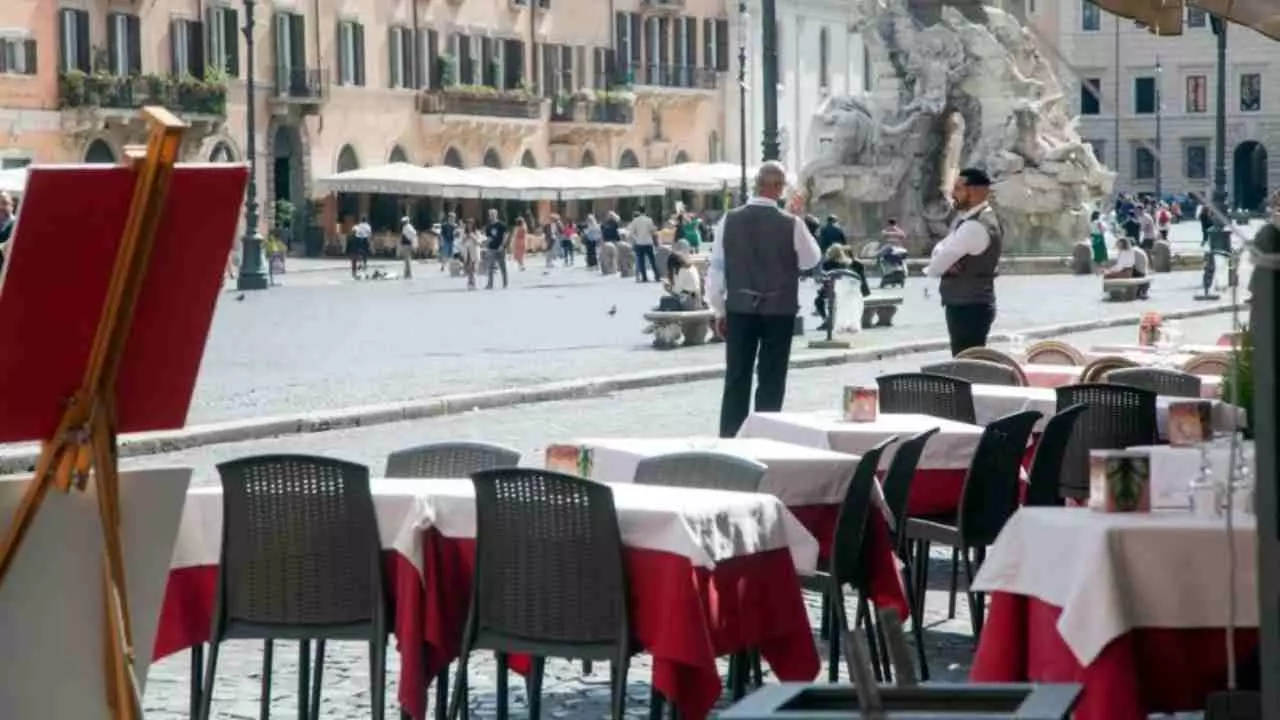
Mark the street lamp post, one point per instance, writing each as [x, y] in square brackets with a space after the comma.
[1220, 124]
[769, 77]
[253, 276]
[1159, 129]
[743, 19]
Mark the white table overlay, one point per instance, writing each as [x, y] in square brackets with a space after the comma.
[951, 448]
[993, 401]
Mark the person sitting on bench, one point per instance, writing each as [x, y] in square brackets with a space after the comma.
[837, 258]
[1131, 263]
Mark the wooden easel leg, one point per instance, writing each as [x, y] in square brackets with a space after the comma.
[121, 684]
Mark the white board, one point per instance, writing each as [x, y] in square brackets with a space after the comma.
[51, 614]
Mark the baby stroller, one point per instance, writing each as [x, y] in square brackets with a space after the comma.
[892, 263]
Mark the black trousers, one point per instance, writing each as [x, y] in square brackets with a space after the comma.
[969, 325]
[759, 344]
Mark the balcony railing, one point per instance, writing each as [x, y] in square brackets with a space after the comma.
[673, 76]
[614, 111]
[118, 92]
[480, 101]
[302, 85]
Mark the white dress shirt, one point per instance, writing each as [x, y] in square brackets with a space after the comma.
[966, 238]
[687, 281]
[807, 256]
[640, 231]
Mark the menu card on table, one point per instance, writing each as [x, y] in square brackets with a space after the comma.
[860, 404]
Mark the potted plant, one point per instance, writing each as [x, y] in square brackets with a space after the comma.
[1237, 385]
[447, 66]
[72, 90]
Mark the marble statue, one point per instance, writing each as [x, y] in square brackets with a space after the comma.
[626, 259]
[963, 85]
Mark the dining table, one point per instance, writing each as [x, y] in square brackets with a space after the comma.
[811, 482]
[994, 401]
[939, 479]
[1134, 606]
[709, 573]
[1052, 376]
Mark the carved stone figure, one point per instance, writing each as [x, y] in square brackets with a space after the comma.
[626, 259]
[608, 258]
[960, 85]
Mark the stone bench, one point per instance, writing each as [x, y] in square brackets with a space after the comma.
[879, 311]
[1125, 289]
[669, 327]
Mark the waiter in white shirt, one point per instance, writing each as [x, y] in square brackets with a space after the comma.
[966, 260]
[753, 285]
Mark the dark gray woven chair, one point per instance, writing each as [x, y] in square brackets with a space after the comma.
[1043, 480]
[1117, 417]
[701, 469]
[927, 394]
[301, 560]
[977, 371]
[1160, 381]
[549, 579]
[449, 460]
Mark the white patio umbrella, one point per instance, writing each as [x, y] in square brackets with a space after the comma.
[531, 184]
[394, 179]
[13, 180]
[704, 177]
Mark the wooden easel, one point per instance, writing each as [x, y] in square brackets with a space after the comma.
[84, 443]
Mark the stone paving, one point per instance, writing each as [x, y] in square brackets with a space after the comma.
[677, 410]
[323, 340]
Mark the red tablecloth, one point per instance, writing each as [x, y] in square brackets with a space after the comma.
[1147, 671]
[683, 616]
[883, 574]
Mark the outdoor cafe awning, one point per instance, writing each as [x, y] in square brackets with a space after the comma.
[517, 183]
[703, 177]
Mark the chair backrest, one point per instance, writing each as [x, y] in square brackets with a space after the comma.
[702, 469]
[300, 542]
[1160, 381]
[1116, 417]
[549, 564]
[992, 355]
[449, 459]
[1044, 480]
[1054, 352]
[897, 480]
[1209, 364]
[1094, 371]
[851, 524]
[992, 485]
[927, 394]
[978, 371]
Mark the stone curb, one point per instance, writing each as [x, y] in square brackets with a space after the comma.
[22, 457]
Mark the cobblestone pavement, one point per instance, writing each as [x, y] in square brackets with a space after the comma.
[678, 410]
[323, 340]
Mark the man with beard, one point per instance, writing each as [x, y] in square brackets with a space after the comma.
[966, 261]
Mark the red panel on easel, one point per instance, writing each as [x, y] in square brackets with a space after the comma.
[55, 283]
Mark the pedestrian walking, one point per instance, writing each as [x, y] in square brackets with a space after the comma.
[641, 233]
[966, 260]
[469, 250]
[753, 286]
[495, 249]
[551, 241]
[520, 242]
[408, 241]
[358, 246]
[448, 236]
[591, 240]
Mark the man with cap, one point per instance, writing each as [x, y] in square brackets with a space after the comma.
[753, 287]
[966, 261]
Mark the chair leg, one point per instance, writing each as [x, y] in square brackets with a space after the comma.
[922, 575]
[824, 626]
[738, 668]
[197, 679]
[657, 703]
[865, 621]
[955, 583]
[206, 694]
[264, 705]
[917, 621]
[839, 624]
[504, 694]
[442, 694]
[977, 601]
[377, 675]
[317, 678]
[757, 671]
[304, 678]
[459, 686]
[534, 687]
[619, 671]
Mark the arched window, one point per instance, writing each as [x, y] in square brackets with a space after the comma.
[398, 155]
[453, 158]
[588, 158]
[528, 160]
[682, 157]
[824, 59]
[491, 159]
[628, 159]
[347, 159]
[99, 152]
[221, 153]
[713, 147]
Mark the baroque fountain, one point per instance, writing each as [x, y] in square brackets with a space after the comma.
[960, 85]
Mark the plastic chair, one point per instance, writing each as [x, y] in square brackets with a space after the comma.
[702, 469]
[927, 394]
[453, 459]
[1044, 481]
[1116, 417]
[978, 371]
[1173, 383]
[1096, 370]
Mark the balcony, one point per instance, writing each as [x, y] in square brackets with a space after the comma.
[304, 88]
[610, 108]
[673, 6]
[482, 102]
[190, 97]
[675, 77]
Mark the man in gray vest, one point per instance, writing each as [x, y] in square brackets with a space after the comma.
[966, 260]
[753, 286]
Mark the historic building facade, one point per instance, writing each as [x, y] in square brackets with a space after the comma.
[30, 125]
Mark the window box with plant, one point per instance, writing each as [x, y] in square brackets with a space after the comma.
[481, 100]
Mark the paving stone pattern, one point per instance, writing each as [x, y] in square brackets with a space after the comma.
[689, 409]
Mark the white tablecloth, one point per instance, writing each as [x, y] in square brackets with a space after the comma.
[1114, 572]
[950, 449]
[1173, 469]
[1185, 349]
[1174, 360]
[1053, 376]
[994, 401]
[706, 526]
[797, 474]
